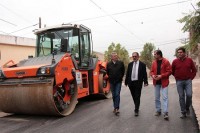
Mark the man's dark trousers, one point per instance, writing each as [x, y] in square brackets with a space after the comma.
[135, 89]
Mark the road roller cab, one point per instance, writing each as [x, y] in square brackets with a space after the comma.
[62, 71]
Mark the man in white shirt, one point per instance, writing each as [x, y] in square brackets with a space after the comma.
[135, 76]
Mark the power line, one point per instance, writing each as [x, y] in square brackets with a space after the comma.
[3, 32]
[27, 33]
[116, 21]
[175, 40]
[129, 11]
[193, 7]
[157, 45]
[111, 15]
[8, 22]
[23, 29]
[15, 13]
[151, 7]
[167, 43]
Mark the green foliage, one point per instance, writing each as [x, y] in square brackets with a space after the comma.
[121, 52]
[94, 55]
[146, 55]
[192, 25]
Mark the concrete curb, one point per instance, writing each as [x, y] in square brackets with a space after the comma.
[196, 100]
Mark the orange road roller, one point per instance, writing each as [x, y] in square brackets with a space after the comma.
[62, 71]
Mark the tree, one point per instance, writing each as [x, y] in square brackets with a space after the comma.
[94, 55]
[192, 25]
[146, 55]
[121, 52]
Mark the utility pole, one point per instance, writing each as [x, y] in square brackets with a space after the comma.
[40, 22]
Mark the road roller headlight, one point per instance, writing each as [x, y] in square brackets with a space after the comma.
[44, 71]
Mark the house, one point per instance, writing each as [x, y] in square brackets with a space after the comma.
[15, 48]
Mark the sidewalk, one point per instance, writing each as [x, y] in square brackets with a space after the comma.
[196, 98]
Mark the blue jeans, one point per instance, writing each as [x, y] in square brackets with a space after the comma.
[184, 87]
[164, 92]
[115, 89]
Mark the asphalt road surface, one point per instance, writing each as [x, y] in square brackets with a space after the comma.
[96, 116]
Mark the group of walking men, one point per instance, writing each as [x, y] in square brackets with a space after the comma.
[182, 68]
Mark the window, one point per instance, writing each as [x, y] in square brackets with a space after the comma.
[85, 47]
[58, 40]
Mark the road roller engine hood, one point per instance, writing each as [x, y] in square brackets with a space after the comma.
[33, 67]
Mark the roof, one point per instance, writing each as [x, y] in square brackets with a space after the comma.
[37, 31]
[15, 40]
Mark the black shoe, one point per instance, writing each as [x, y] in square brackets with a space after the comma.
[157, 113]
[183, 115]
[166, 117]
[136, 113]
[114, 111]
[117, 112]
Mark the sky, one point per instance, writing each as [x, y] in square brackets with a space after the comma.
[132, 23]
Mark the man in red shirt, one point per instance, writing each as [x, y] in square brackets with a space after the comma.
[184, 71]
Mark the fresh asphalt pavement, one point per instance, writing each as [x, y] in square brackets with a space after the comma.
[94, 115]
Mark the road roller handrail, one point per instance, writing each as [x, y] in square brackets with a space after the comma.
[7, 64]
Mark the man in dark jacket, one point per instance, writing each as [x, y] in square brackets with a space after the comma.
[115, 72]
[135, 76]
